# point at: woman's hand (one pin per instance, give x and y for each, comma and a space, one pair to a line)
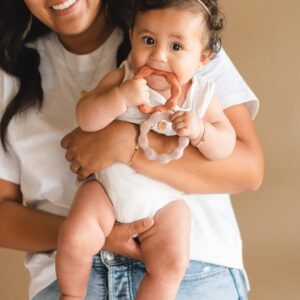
89, 152
121, 241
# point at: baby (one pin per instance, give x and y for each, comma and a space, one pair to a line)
177, 37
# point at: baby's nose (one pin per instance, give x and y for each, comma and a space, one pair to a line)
159, 54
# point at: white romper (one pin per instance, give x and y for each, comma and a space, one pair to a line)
135, 196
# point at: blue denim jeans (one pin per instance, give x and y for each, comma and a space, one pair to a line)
115, 277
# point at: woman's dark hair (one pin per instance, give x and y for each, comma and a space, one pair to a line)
22, 62
120, 12
214, 20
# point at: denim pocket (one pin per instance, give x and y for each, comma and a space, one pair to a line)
211, 282
200, 270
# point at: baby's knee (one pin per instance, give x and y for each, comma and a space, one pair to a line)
170, 256
69, 237
176, 263
76, 239
181, 208
171, 264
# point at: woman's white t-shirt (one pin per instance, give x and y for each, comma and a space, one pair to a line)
37, 162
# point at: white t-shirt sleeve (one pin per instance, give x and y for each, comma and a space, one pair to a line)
9, 163
230, 86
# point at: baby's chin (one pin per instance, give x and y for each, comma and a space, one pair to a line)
158, 82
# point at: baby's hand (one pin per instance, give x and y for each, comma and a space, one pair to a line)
185, 123
135, 92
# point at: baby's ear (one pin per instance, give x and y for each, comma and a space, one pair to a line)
206, 55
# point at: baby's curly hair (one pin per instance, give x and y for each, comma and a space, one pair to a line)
214, 19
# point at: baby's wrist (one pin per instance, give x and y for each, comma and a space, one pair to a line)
125, 96
200, 138
128, 135
120, 99
195, 136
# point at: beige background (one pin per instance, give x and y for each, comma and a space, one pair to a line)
262, 37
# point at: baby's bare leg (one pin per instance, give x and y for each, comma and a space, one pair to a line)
165, 250
81, 236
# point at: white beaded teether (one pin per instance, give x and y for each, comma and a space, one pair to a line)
150, 153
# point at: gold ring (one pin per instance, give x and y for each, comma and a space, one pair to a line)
129, 230
131, 235
75, 169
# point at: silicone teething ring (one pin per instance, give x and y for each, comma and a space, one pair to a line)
150, 153
171, 103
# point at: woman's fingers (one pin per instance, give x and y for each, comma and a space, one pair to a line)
121, 241
65, 142
69, 155
75, 166
68, 139
72, 142
83, 174
89, 152
140, 226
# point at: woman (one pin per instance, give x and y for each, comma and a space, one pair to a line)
77, 43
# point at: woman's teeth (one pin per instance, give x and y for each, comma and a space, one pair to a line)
64, 5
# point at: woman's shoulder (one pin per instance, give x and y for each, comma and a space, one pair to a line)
8, 89
44, 43
9, 84
230, 85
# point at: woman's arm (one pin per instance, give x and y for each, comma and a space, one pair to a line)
24, 228
28, 229
242, 171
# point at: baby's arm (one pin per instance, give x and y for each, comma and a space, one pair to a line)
213, 136
109, 99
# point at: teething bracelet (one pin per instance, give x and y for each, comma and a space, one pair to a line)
150, 153
171, 103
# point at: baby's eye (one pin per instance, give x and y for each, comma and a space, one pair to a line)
176, 47
148, 40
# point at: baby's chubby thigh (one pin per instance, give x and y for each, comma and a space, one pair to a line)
165, 246
134, 196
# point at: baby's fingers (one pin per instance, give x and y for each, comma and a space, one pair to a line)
183, 132
179, 125
176, 115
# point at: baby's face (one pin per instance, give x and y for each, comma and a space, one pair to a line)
168, 40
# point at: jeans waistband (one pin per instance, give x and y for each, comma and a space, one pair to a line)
107, 258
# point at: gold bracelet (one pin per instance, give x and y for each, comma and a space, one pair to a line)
203, 137
136, 148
